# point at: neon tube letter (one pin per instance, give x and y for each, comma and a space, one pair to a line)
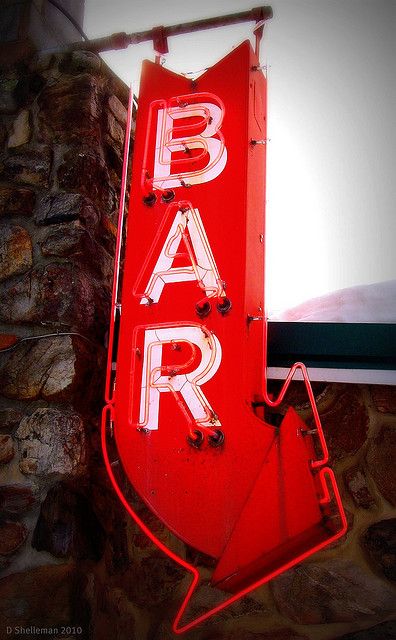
202, 267
211, 114
192, 402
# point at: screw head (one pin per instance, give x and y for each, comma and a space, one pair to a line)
218, 439
195, 439
224, 306
168, 196
203, 309
150, 200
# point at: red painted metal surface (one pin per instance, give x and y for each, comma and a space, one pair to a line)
258, 498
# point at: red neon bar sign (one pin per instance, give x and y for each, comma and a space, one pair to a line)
189, 367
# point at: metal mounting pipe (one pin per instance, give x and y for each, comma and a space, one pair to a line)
123, 40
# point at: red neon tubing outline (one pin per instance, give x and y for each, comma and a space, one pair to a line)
193, 570
108, 412
275, 403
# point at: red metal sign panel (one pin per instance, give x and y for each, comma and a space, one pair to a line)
190, 353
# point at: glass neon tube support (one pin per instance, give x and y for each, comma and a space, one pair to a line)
117, 254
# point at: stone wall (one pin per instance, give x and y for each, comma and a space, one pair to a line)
69, 555
62, 121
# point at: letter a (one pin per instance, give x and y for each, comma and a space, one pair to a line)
187, 226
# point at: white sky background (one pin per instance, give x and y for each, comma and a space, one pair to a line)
331, 212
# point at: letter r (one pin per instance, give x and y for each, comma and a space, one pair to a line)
186, 387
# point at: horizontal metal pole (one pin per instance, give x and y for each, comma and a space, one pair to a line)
123, 40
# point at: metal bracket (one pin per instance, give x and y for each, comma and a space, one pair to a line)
160, 34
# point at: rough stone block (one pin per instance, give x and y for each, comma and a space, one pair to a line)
50, 368
337, 590
63, 241
52, 443
336, 526
243, 634
16, 255
121, 618
15, 499
379, 542
345, 425
16, 200
67, 526
115, 130
42, 596
381, 456
384, 398
207, 597
12, 537
140, 539
57, 292
85, 171
21, 130
118, 110
29, 85
70, 109
383, 631
46, 64
83, 62
29, 166
356, 483
54, 208
6, 449
9, 418
155, 580
114, 160
74, 240
8, 95
3, 133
